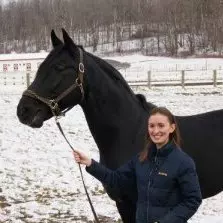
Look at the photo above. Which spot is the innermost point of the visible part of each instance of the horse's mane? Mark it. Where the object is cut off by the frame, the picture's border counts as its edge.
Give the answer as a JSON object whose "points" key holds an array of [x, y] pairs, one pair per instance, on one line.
{"points": [[117, 76], [108, 68], [146, 105]]}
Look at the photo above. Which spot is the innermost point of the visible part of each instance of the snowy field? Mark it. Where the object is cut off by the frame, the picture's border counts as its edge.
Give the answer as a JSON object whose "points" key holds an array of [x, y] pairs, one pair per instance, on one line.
{"points": [[39, 180]]}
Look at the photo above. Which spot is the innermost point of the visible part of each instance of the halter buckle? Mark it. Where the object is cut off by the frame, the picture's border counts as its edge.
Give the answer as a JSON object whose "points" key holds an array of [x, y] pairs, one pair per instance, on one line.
{"points": [[53, 104], [78, 82]]}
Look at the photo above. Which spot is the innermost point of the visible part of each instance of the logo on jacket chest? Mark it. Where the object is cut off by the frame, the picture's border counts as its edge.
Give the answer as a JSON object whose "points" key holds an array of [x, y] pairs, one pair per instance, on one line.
{"points": [[162, 173]]}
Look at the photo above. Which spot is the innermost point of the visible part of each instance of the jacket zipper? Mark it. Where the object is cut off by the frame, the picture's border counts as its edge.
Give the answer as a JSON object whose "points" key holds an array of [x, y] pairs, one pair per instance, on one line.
{"points": [[149, 184]]}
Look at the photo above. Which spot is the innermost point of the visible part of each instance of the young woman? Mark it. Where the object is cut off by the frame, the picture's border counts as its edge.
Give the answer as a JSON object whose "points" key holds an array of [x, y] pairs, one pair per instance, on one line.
{"points": [[166, 178]]}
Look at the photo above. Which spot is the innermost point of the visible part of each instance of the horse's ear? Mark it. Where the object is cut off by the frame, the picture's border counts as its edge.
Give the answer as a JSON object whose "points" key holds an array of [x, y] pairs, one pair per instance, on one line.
{"points": [[55, 40], [67, 40]]}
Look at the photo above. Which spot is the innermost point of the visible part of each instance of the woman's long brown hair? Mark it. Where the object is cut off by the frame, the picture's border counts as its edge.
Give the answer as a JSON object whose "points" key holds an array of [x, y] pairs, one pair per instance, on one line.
{"points": [[174, 137]]}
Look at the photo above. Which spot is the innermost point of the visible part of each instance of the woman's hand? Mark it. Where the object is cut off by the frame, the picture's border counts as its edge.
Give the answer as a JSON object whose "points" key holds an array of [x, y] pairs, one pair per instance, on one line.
{"points": [[81, 158]]}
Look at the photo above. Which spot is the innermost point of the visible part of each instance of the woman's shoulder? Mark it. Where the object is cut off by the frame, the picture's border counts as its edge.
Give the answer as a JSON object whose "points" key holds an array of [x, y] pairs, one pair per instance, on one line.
{"points": [[133, 160], [184, 159]]}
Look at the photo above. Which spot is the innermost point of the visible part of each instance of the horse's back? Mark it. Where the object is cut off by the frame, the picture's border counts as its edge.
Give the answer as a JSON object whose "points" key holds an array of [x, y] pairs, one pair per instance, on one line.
{"points": [[202, 139]]}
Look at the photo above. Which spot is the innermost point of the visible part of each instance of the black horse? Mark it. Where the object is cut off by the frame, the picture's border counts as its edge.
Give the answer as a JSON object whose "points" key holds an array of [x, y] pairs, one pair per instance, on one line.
{"points": [[117, 117]]}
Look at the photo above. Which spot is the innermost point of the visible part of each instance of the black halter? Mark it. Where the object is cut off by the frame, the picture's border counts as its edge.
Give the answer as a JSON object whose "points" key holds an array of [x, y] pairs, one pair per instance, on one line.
{"points": [[53, 103]]}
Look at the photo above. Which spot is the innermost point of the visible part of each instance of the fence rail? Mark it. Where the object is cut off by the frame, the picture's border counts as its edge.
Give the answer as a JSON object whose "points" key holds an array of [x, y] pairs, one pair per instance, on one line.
{"points": [[150, 79], [181, 78]]}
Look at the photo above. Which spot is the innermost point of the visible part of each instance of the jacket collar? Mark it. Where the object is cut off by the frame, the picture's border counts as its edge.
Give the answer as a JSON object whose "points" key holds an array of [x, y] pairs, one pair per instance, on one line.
{"points": [[163, 151]]}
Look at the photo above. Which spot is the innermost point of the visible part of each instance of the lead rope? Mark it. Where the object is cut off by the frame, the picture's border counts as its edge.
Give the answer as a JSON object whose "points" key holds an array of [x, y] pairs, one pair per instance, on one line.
{"points": [[53, 104], [82, 178]]}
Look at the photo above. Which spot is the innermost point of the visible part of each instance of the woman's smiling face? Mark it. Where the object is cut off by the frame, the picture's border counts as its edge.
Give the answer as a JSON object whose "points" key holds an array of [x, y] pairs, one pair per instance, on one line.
{"points": [[159, 129]]}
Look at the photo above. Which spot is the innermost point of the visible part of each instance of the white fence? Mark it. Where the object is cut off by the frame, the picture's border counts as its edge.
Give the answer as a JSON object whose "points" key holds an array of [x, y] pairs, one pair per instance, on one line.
{"points": [[151, 78], [16, 78], [178, 78], [21, 69]]}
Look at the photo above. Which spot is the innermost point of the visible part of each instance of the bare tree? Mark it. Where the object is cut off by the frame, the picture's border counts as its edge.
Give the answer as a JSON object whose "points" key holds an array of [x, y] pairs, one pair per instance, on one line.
{"points": [[26, 24]]}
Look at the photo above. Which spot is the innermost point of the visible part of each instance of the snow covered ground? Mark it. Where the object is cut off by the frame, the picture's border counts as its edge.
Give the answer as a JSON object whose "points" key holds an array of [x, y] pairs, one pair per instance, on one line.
{"points": [[39, 180]]}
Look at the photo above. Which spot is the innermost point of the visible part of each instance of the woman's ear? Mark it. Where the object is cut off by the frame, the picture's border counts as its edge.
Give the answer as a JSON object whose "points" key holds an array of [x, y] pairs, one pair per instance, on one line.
{"points": [[172, 128]]}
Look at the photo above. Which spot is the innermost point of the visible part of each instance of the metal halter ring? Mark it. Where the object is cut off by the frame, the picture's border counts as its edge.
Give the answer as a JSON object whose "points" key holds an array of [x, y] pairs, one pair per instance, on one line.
{"points": [[81, 67]]}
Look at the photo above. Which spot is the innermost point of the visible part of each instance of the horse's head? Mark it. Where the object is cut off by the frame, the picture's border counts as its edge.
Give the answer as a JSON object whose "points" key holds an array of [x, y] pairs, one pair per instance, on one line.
{"points": [[57, 85]]}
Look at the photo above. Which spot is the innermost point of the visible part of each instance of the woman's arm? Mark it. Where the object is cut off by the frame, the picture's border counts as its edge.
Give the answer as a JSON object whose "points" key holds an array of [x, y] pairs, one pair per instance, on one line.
{"points": [[190, 192], [116, 179]]}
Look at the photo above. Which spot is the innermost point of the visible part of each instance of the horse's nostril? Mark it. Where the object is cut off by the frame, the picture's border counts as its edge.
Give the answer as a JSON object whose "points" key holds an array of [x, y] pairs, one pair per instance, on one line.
{"points": [[24, 110], [21, 111]]}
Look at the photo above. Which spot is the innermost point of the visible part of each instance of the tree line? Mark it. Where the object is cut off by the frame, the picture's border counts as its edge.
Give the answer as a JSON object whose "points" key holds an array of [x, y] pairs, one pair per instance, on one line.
{"points": [[169, 27]]}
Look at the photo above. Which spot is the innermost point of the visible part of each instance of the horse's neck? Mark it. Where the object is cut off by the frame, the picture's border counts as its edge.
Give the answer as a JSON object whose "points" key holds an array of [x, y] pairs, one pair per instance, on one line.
{"points": [[107, 97], [113, 113]]}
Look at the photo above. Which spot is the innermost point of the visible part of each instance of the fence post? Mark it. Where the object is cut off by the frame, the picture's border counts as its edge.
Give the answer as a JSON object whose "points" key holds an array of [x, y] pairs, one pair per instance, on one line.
{"points": [[215, 78], [27, 79], [149, 79], [183, 78]]}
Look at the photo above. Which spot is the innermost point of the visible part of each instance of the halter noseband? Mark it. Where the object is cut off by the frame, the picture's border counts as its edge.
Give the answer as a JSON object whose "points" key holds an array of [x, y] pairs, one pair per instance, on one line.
{"points": [[53, 103]]}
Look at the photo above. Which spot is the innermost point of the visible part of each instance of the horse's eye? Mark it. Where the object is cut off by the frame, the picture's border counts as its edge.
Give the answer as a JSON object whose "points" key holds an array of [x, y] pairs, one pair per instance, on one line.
{"points": [[60, 67]]}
